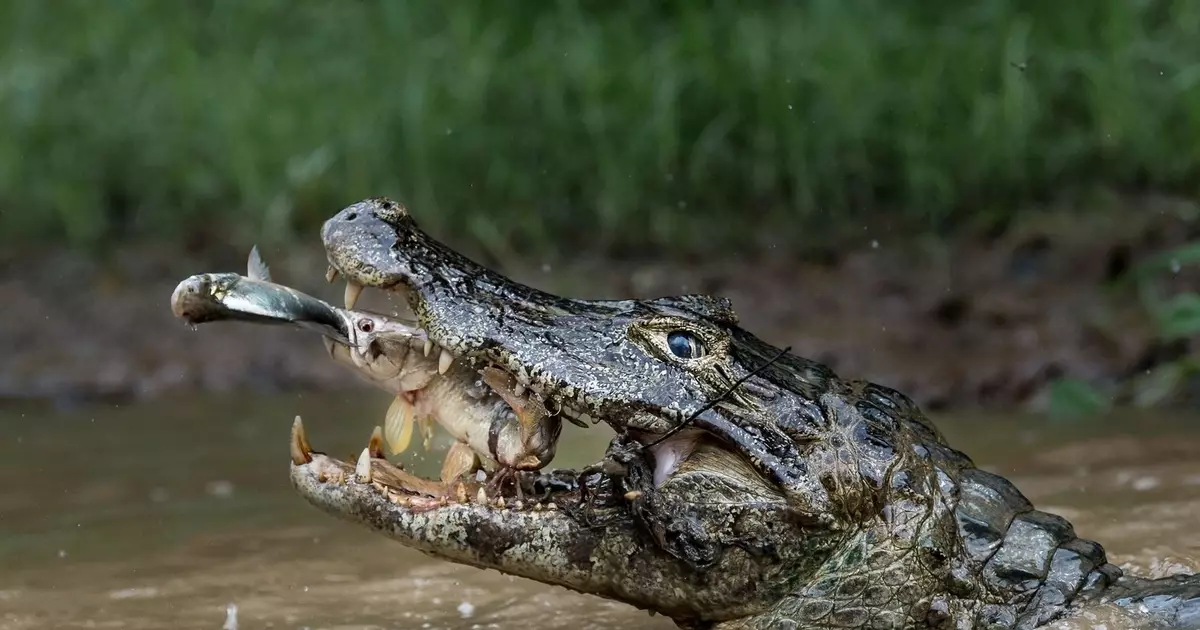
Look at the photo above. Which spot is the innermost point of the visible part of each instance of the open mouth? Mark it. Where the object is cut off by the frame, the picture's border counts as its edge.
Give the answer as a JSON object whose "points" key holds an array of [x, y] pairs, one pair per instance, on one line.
{"points": [[536, 493], [504, 429], [490, 411], [512, 383], [521, 388]]}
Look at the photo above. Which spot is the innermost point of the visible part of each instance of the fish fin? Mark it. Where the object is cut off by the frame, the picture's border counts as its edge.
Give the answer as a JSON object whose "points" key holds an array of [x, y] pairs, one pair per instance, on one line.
{"points": [[256, 267], [427, 428], [529, 412], [460, 460], [398, 425]]}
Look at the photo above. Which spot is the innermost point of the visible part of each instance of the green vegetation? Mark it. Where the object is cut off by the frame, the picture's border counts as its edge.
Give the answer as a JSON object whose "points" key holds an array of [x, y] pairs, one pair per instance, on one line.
{"points": [[539, 128], [1176, 316]]}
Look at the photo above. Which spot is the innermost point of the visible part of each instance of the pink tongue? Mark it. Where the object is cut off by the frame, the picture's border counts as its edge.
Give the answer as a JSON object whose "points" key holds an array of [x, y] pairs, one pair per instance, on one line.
{"points": [[671, 453]]}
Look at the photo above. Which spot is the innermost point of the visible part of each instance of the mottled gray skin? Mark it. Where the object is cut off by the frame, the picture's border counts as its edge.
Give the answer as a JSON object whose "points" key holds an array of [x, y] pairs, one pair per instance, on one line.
{"points": [[807, 502]]}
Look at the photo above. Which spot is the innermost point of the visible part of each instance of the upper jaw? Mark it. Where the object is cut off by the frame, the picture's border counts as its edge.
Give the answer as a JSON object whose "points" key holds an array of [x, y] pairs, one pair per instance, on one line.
{"points": [[358, 243], [375, 243], [461, 305]]}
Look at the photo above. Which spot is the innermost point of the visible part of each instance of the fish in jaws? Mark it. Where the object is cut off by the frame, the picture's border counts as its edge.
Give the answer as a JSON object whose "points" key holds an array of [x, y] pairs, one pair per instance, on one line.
{"points": [[491, 418]]}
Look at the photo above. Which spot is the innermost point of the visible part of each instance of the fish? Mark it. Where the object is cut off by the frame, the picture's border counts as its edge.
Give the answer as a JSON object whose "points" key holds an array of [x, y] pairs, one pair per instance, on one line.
{"points": [[255, 298]]}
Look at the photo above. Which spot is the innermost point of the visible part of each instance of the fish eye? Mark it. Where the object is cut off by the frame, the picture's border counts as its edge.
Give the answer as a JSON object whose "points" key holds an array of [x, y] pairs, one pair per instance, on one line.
{"points": [[366, 325], [685, 345]]}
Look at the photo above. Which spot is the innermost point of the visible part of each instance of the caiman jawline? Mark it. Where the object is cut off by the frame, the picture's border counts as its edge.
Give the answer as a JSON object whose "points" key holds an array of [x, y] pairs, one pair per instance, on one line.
{"points": [[401, 488]]}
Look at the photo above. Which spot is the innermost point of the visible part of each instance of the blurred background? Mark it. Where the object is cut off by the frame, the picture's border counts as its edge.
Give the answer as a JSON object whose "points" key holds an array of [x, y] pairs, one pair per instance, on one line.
{"points": [[990, 206], [973, 178], [977, 175]]}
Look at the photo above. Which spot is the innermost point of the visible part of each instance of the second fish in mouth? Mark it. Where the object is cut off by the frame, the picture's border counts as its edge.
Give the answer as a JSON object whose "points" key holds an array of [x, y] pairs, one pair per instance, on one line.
{"points": [[486, 411]]}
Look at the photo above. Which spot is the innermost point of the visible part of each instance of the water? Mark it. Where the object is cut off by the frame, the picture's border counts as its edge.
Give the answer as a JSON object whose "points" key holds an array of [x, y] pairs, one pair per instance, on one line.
{"points": [[166, 514]]}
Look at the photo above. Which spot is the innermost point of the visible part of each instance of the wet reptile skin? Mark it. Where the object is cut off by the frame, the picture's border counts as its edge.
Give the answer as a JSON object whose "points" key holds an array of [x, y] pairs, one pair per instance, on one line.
{"points": [[808, 502]]}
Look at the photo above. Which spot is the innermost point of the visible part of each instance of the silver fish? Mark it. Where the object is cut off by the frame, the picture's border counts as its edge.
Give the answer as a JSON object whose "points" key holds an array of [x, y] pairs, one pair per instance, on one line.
{"points": [[211, 297]]}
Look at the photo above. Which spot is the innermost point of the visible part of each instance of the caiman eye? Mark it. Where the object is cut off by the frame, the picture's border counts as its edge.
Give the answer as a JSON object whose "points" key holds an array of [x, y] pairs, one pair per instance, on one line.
{"points": [[685, 346]]}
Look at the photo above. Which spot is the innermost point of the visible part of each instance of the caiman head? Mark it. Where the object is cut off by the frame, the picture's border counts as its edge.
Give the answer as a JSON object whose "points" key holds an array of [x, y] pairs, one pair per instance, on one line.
{"points": [[794, 499], [639, 365]]}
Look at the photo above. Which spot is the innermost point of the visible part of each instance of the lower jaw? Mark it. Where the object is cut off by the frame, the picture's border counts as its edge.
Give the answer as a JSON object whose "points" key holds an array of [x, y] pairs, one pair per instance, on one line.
{"points": [[414, 493]]}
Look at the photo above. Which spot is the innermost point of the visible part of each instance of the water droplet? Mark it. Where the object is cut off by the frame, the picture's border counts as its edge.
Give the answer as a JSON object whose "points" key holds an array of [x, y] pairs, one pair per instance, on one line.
{"points": [[1175, 266], [874, 244], [221, 488]]}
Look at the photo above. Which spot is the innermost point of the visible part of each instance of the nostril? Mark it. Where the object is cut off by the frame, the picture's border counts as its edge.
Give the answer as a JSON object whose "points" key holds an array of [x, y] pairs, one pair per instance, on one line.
{"points": [[351, 216]]}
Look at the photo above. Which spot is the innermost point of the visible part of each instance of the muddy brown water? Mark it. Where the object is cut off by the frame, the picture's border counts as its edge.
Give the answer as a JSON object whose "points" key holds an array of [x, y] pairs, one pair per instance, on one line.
{"points": [[179, 514]]}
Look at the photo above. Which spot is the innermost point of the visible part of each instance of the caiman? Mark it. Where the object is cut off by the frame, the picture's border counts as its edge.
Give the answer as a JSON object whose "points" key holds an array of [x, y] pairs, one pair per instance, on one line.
{"points": [[746, 487]]}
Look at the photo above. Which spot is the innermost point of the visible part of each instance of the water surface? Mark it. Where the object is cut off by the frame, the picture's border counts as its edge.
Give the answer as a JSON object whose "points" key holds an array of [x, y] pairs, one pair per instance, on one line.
{"points": [[165, 515]]}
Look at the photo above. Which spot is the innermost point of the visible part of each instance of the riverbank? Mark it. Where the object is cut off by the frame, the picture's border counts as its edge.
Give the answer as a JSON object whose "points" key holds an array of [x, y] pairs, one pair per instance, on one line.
{"points": [[984, 320]]}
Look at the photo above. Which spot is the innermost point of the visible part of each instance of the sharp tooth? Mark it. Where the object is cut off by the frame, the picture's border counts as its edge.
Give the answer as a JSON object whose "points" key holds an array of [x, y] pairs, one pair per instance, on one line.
{"points": [[331, 274], [519, 389], [428, 346], [481, 497], [460, 493], [444, 361], [398, 425], [362, 470], [375, 444], [499, 502], [301, 451], [352, 293]]}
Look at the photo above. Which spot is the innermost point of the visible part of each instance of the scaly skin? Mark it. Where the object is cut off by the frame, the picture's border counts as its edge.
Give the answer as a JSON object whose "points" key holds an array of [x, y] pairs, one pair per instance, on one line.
{"points": [[800, 501]]}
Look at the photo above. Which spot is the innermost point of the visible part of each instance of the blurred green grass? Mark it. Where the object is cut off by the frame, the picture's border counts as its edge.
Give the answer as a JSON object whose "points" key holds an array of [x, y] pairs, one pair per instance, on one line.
{"points": [[551, 128]]}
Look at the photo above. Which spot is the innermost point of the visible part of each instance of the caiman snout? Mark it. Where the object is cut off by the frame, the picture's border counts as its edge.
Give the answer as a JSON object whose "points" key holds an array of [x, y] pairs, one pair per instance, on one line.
{"points": [[377, 208], [361, 237]]}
